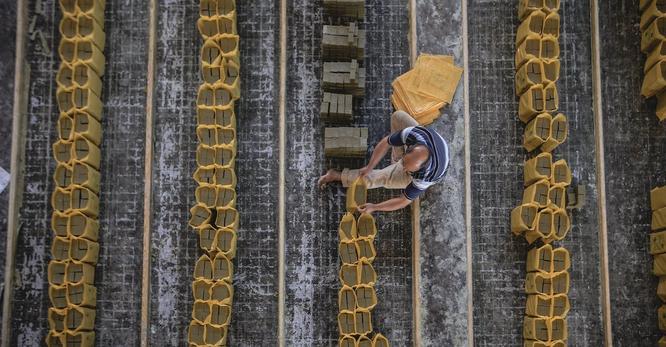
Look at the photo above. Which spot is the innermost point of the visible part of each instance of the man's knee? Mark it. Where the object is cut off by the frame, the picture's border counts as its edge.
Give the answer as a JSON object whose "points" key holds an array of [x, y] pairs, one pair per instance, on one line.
{"points": [[401, 119]]}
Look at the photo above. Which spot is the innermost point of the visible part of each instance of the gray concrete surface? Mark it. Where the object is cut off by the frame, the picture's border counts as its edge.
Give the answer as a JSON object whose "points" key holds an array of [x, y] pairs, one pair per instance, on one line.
{"points": [[635, 146]]}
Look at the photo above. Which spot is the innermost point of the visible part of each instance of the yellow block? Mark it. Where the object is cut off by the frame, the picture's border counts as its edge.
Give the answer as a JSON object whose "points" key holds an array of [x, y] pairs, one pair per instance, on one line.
{"points": [[659, 219], [357, 194], [658, 198]]}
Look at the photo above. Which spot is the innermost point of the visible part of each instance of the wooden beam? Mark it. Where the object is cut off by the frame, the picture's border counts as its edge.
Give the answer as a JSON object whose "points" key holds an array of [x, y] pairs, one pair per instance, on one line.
{"points": [[148, 175], [601, 174], [282, 172], [21, 78]]}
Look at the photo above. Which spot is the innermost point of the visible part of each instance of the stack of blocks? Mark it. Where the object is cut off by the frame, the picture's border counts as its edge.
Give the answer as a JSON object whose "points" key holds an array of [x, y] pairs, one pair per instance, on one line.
{"points": [[658, 250], [214, 217], [653, 44], [343, 78], [542, 217], [357, 297], [75, 200]]}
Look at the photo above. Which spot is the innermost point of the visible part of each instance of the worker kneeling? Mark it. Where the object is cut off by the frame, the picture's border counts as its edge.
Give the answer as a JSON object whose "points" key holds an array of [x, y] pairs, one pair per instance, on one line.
{"points": [[419, 157]]}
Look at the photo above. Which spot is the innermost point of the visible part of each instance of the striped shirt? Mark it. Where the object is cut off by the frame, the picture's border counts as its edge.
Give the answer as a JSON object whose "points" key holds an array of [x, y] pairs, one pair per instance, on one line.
{"points": [[438, 161]]}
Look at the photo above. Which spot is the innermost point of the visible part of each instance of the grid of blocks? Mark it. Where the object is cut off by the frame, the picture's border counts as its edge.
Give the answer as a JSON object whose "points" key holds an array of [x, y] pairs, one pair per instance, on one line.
{"points": [[542, 218], [653, 44], [214, 217], [75, 200], [357, 297]]}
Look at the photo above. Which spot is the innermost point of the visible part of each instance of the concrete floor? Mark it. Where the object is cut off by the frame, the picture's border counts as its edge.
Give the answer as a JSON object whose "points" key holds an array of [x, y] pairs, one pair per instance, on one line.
{"points": [[635, 160]]}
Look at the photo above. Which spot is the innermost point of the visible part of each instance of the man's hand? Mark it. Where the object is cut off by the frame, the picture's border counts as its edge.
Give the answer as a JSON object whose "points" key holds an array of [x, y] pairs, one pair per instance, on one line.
{"points": [[364, 171], [367, 208]]}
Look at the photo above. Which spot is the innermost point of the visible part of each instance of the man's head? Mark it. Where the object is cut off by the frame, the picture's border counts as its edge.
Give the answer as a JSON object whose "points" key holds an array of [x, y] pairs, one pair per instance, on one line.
{"points": [[415, 158]]}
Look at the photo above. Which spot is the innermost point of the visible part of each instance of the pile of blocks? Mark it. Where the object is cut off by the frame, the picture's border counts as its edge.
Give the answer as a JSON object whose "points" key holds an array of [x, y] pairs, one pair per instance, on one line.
{"points": [[653, 44], [343, 78], [75, 200], [357, 297], [214, 217], [542, 217], [658, 250]]}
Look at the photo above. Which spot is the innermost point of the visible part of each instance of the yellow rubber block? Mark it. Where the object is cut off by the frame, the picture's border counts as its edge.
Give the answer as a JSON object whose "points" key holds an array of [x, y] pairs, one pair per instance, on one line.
{"points": [[531, 103], [224, 117], [531, 25], [79, 273], [658, 198], [227, 217], [66, 127], [538, 168], [56, 273], [60, 249], [83, 250], [213, 196], [225, 75], [533, 343], [653, 11], [85, 175], [537, 193], [222, 292], [218, 96], [540, 259], [561, 225], [366, 273], [528, 75], [220, 314], [79, 319], [92, 8], [659, 219], [62, 151], [363, 321], [349, 275], [537, 131], [657, 54], [217, 155], [538, 283], [346, 323], [347, 230], [211, 54], [203, 269], [380, 341], [527, 7], [523, 218], [550, 48], [82, 51], [346, 299], [61, 200], [57, 319], [659, 265], [529, 49], [216, 336], [551, 25], [557, 197], [544, 227], [551, 98], [347, 341], [561, 306], [661, 289], [213, 135], [539, 306], [366, 297], [364, 341], [367, 227], [217, 175], [211, 8], [80, 339], [196, 333], [365, 249], [58, 297], [561, 260], [559, 130], [654, 33], [206, 238], [84, 200], [655, 80], [537, 329], [223, 268], [201, 312], [82, 294], [225, 242], [81, 124], [560, 283], [78, 75], [82, 26], [62, 176], [357, 194], [85, 151], [211, 26], [54, 339], [199, 216], [658, 243], [347, 252], [228, 45], [661, 106], [201, 289], [561, 173], [551, 70], [558, 329]]}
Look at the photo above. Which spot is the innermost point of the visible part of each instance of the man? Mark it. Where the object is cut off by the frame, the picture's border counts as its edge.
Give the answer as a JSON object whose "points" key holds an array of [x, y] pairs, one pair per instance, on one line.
{"points": [[419, 158]]}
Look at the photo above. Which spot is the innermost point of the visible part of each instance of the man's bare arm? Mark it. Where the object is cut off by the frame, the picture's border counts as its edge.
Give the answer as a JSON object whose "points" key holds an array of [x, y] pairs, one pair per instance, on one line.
{"points": [[380, 151], [388, 205]]}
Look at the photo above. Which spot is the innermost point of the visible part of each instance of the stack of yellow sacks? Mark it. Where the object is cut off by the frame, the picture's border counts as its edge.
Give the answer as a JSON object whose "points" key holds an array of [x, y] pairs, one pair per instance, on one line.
{"points": [[214, 217], [357, 297], [75, 201], [653, 44], [427, 87], [658, 250], [542, 216]]}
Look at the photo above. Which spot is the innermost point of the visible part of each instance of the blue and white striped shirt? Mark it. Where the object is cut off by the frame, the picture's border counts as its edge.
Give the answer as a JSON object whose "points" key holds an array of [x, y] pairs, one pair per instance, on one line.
{"points": [[432, 171]]}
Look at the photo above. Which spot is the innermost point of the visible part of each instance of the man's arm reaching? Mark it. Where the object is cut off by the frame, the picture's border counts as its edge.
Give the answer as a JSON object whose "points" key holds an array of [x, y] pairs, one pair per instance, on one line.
{"points": [[380, 151], [388, 205]]}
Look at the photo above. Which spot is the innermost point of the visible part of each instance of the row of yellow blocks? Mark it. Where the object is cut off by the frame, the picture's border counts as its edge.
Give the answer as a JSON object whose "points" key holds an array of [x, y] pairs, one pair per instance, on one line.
{"points": [[75, 199], [542, 214], [214, 217], [658, 250], [653, 38]]}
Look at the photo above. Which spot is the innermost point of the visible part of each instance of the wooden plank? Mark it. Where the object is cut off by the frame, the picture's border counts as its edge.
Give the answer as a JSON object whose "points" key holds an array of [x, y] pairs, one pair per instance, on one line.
{"points": [[19, 111], [601, 174], [282, 171], [148, 175]]}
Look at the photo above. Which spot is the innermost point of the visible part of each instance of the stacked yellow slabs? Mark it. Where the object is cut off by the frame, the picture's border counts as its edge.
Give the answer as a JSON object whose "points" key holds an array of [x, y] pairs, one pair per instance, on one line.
{"points": [[427, 87], [542, 217], [75, 200], [658, 249], [214, 217], [653, 44], [357, 296]]}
